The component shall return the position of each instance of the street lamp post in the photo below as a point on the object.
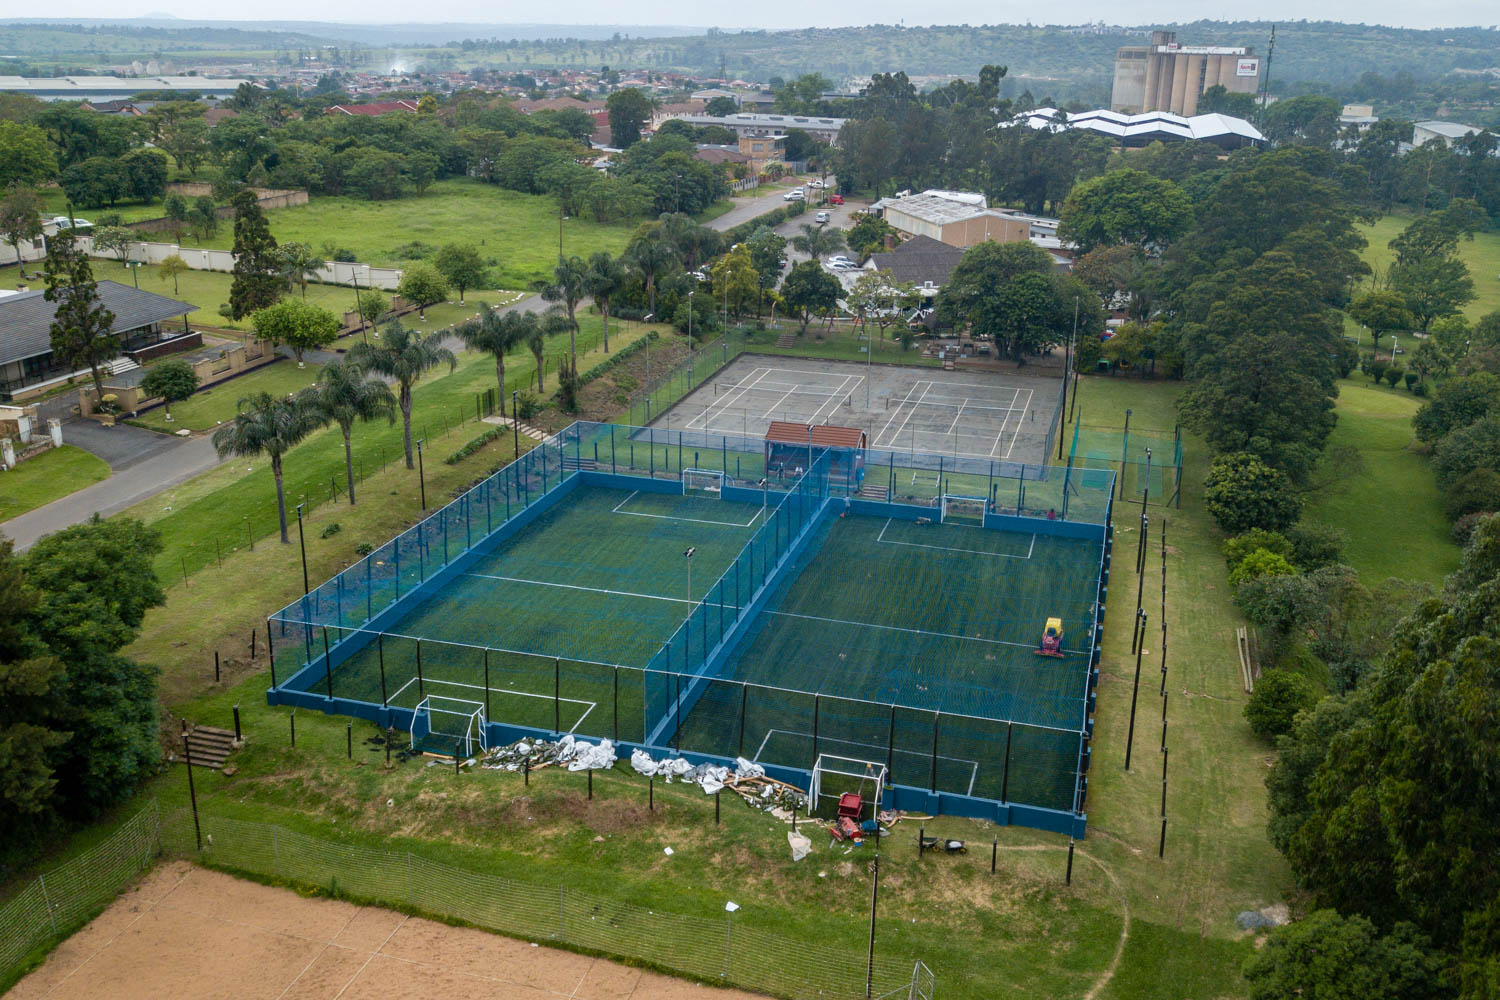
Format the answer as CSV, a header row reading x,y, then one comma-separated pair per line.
x,y
421,474
688,555
134,266
302,542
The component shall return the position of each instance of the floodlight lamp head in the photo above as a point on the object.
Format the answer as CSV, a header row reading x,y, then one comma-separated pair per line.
x,y
689,553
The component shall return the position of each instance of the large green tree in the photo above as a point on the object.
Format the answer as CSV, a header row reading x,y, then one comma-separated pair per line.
x,y
82,329
26,157
628,110
257,270
298,324
1328,957
20,219
422,285
604,279
809,289
497,334
1125,207
33,707
462,266
95,583
568,287
173,381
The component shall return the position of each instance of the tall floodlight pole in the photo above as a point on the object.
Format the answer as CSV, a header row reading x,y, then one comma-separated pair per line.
x,y
688,555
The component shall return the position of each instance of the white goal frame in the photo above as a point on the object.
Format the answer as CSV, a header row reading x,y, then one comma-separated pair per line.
x,y
455,718
949,499
861,771
699,482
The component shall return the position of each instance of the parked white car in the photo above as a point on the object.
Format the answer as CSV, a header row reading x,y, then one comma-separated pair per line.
x,y
796,194
821,217
839,258
63,222
814,183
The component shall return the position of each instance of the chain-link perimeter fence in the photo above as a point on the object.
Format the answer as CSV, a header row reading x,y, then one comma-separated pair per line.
x,y
717,950
666,387
58,902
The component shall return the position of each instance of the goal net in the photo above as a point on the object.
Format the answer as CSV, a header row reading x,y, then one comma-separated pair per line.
x,y
702,483
448,726
964,510
833,776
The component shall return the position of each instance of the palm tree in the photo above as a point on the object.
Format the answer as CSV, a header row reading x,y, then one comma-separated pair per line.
x,y
535,338
818,241
403,356
343,396
652,256
603,281
297,265
497,333
568,287
271,426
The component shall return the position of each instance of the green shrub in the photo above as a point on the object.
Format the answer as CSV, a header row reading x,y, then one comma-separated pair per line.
x,y
1412,378
1242,492
1375,368
1240,546
1393,375
1090,350
1475,492
474,445
363,549
1315,545
1257,564
1278,696
1463,528
527,406
1465,449
332,528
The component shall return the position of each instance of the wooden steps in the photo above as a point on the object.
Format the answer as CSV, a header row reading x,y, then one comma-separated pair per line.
x,y
870,491
532,432
585,464
787,340
210,747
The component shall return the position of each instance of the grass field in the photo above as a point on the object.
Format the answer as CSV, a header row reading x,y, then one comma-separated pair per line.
x,y
210,289
517,233
1129,926
1481,254
843,343
48,477
207,408
55,203
1391,509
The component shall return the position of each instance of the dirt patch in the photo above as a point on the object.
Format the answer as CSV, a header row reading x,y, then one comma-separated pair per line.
x,y
186,932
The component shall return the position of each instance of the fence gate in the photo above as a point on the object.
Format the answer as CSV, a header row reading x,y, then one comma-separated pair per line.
x,y
923,983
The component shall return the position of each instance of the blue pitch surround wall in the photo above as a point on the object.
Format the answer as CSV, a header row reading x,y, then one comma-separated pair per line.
x,y
308,686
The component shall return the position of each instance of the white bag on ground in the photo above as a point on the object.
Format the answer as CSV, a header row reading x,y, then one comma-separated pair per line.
x,y
800,845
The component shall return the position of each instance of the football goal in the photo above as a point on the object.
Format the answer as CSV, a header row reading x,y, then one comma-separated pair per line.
x,y
702,483
448,726
834,776
964,510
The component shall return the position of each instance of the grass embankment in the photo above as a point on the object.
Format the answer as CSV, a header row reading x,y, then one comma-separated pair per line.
x,y
209,407
844,342
1391,508
48,477
217,513
1481,254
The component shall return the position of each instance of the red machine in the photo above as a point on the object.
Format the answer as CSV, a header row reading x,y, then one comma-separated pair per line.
x,y
1052,637
846,825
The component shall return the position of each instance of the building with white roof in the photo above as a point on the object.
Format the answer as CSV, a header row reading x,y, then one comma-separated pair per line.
x,y
106,88
1446,133
761,126
1153,126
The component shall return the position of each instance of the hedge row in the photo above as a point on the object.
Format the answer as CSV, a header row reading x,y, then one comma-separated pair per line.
x,y
475,445
618,358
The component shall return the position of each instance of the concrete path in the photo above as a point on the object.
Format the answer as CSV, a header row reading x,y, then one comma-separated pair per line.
x,y
749,208
130,484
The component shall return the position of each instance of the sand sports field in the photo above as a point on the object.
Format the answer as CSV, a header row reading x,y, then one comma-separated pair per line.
x,y
184,931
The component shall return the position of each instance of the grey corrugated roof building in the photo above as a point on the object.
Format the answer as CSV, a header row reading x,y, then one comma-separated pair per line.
x,y
921,260
26,338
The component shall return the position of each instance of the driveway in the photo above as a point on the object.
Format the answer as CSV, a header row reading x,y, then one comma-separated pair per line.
x,y
122,446
748,208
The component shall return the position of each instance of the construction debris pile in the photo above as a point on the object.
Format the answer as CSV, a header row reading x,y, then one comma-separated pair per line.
x,y
575,755
748,780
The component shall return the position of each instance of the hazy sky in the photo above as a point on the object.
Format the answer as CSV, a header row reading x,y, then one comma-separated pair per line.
x,y
798,14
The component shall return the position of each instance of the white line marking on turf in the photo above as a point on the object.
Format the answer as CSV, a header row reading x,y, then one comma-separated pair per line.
x,y
1017,432
949,548
999,437
898,628
745,385
673,517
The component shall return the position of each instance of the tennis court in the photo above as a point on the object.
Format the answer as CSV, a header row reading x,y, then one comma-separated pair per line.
x,y
974,414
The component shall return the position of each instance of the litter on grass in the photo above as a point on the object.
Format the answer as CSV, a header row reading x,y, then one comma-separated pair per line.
x,y
575,755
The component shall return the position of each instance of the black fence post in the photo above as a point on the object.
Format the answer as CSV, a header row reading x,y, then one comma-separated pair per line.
x,y
994,853
616,704
271,652
651,794
1069,878
292,722
1135,689
1005,772
385,701
252,643
216,666
935,717
421,684
349,739
874,901
237,722
327,664
187,756
557,695
486,685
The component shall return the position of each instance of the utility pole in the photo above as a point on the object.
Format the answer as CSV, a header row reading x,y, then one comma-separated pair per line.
x,y
1265,92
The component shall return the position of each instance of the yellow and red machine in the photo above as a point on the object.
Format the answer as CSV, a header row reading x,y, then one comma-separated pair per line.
x,y
1052,637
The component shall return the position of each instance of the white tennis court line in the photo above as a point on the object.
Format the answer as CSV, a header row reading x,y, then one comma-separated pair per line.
x,y
672,517
915,407
948,548
745,385
1015,434
898,628
973,764
844,391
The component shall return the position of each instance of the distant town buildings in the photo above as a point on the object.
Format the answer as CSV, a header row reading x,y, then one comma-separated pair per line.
x,y
1446,133
111,88
761,126
1166,76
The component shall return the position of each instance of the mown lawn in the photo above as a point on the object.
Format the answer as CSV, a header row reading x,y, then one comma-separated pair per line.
x,y
207,408
1391,508
48,477
517,233
208,290
1481,254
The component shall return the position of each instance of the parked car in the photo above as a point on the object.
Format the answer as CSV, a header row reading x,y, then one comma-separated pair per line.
x,y
795,194
842,265
821,217
835,199
63,222
815,183
839,258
